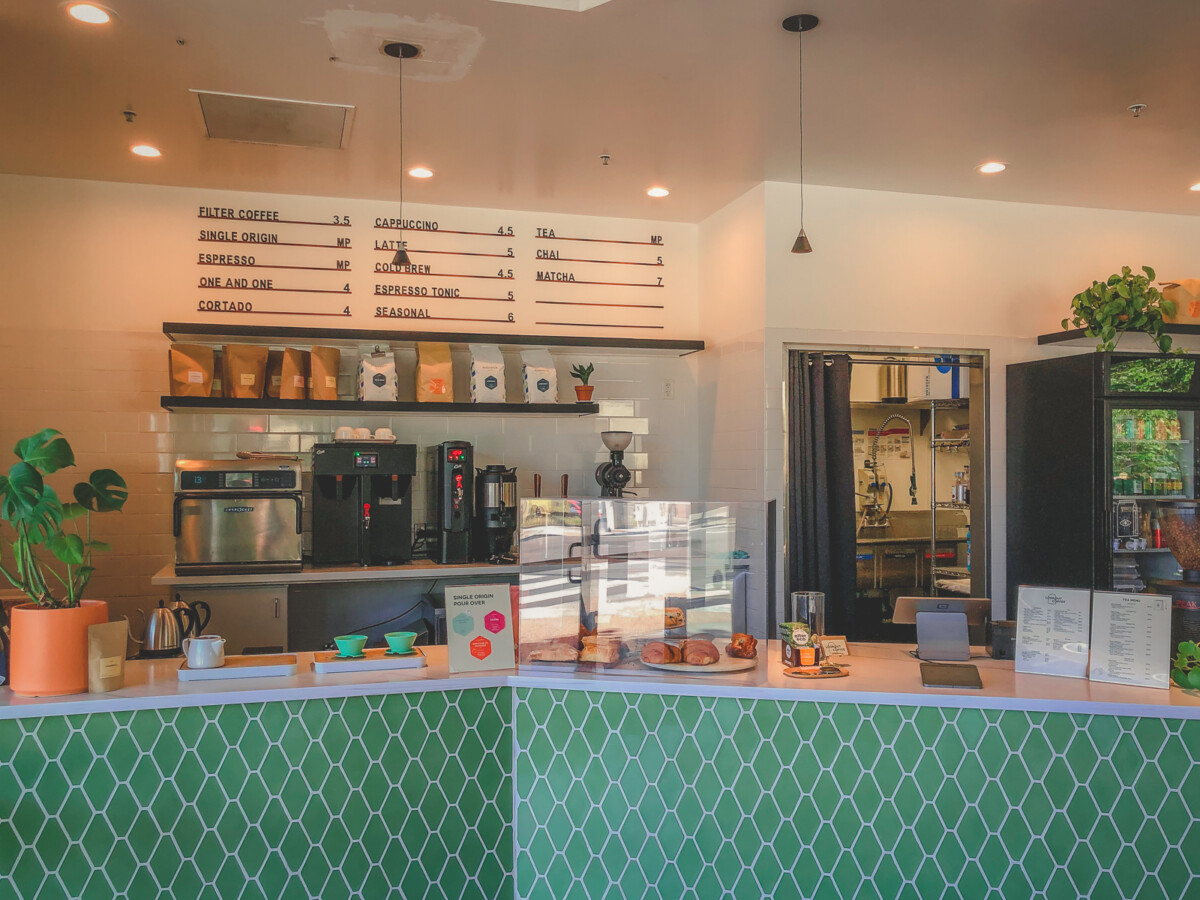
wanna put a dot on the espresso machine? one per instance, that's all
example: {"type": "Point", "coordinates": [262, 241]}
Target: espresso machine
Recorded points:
{"type": "Point", "coordinates": [453, 504]}
{"type": "Point", "coordinates": [495, 514]}
{"type": "Point", "coordinates": [612, 476]}
{"type": "Point", "coordinates": [362, 503]}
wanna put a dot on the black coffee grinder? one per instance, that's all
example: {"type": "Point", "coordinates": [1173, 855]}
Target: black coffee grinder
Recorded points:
{"type": "Point", "coordinates": [612, 476]}
{"type": "Point", "coordinates": [454, 501]}
{"type": "Point", "coordinates": [1181, 533]}
{"type": "Point", "coordinates": [495, 514]}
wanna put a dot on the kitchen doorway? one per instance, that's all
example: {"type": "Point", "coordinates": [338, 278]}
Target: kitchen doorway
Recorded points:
{"type": "Point", "coordinates": [920, 444]}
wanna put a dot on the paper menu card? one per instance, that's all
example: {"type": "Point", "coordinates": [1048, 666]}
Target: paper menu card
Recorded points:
{"type": "Point", "coordinates": [1131, 639]}
{"type": "Point", "coordinates": [479, 627]}
{"type": "Point", "coordinates": [1052, 631]}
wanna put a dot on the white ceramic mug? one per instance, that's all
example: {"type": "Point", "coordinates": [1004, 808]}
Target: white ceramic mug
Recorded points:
{"type": "Point", "coordinates": [362, 434]}
{"type": "Point", "coordinates": [384, 434]}
{"type": "Point", "coordinates": [344, 433]}
{"type": "Point", "coordinates": [204, 652]}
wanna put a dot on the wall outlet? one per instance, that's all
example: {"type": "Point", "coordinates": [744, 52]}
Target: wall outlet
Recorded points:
{"type": "Point", "coordinates": [669, 389]}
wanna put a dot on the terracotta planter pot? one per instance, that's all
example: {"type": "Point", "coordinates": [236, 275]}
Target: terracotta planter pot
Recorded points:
{"type": "Point", "coordinates": [583, 392]}
{"type": "Point", "coordinates": [49, 648]}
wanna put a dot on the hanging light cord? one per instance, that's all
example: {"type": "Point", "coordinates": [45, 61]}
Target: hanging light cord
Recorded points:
{"type": "Point", "coordinates": [801, 92]}
{"type": "Point", "coordinates": [400, 60]}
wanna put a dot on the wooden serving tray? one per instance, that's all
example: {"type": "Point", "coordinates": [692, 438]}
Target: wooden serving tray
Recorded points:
{"type": "Point", "coordinates": [243, 667]}
{"type": "Point", "coordinates": [373, 659]}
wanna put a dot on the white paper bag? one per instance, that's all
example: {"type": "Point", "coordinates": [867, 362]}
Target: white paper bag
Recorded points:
{"type": "Point", "coordinates": [539, 376]}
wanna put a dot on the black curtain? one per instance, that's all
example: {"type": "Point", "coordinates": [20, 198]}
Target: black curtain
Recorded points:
{"type": "Point", "coordinates": [821, 486]}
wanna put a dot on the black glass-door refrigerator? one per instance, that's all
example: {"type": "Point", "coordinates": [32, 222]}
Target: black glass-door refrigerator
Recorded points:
{"type": "Point", "coordinates": [1097, 444]}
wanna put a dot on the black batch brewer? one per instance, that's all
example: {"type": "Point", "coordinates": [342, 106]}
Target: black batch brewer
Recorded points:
{"type": "Point", "coordinates": [362, 503]}
{"type": "Point", "coordinates": [454, 501]}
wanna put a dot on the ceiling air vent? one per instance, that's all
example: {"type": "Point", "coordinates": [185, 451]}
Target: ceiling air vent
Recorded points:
{"type": "Point", "coordinates": [270, 120]}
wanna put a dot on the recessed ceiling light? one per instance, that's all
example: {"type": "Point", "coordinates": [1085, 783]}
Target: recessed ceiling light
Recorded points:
{"type": "Point", "coordinates": [658, 192]}
{"type": "Point", "coordinates": [991, 168]}
{"type": "Point", "coordinates": [420, 172]}
{"type": "Point", "coordinates": [1195, 187]}
{"type": "Point", "coordinates": [145, 150]}
{"type": "Point", "coordinates": [90, 13]}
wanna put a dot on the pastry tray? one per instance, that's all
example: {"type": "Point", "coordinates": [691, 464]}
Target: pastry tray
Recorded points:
{"type": "Point", "coordinates": [370, 440]}
{"type": "Point", "coordinates": [374, 659]}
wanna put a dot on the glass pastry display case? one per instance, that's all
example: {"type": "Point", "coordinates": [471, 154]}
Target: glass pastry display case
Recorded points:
{"type": "Point", "coordinates": [618, 586]}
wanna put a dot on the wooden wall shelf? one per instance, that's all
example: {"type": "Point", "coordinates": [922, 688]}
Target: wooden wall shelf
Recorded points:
{"type": "Point", "coordinates": [200, 333]}
{"type": "Point", "coordinates": [269, 405]}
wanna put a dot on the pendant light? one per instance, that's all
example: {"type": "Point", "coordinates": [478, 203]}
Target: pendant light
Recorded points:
{"type": "Point", "coordinates": [799, 24]}
{"type": "Point", "coordinates": [401, 51]}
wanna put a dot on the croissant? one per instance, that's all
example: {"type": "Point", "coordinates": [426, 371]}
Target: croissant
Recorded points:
{"type": "Point", "coordinates": [659, 652]}
{"type": "Point", "coordinates": [700, 653]}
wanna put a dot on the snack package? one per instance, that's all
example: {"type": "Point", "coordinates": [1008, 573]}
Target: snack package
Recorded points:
{"type": "Point", "coordinates": [487, 374]}
{"type": "Point", "coordinates": [539, 376]}
{"type": "Point", "coordinates": [293, 371]}
{"type": "Point", "coordinates": [324, 363]}
{"type": "Point", "coordinates": [377, 377]}
{"type": "Point", "coordinates": [435, 375]}
{"type": "Point", "coordinates": [245, 369]}
{"type": "Point", "coordinates": [191, 370]}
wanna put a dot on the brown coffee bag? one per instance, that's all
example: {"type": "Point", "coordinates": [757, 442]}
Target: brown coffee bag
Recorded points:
{"type": "Point", "coordinates": [294, 374]}
{"type": "Point", "coordinates": [324, 363]}
{"type": "Point", "coordinates": [218, 382]}
{"type": "Point", "coordinates": [106, 656]}
{"type": "Point", "coordinates": [435, 374]}
{"type": "Point", "coordinates": [245, 370]}
{"type": "Point", "coordinates": [274, 373]}
{"type": "Point", "coordinates": [191, 370]}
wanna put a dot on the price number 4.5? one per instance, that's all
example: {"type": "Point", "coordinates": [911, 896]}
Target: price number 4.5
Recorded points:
{"type": "Point", "coordinates": [505, 230]}
{"type": "Point", "coordinates": [504, 273]}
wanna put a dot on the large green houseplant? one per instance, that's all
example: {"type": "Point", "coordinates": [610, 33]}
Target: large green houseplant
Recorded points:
{"type": "Point", "coordinates": [46, 552]}
{"type": "Point", "coordinates": [1124, 302]}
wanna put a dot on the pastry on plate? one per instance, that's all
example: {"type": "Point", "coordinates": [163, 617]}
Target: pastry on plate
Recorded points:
{"type": "Point", "coordinates": [600, 650]}
{"type": "Point", "coordinates": [673, 617]}
{"type": "Point", "coordinates": [554, 653]}
{"type": "Point", "coordinates": [742, 646]}
{"type": "Point", "coordinates": [700, 653]}
{"type": "Point", "coordinates": [660, 652]}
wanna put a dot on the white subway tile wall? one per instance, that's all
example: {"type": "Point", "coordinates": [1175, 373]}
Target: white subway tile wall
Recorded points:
{"type": "Point", "coordinates": [103, 389]}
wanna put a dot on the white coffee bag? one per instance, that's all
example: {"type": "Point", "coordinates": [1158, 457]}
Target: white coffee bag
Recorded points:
{"type": "Point", "coordinates": [377, 377]}
{"type": "Point", "coordinates": [539, 376]}
{"type": "Point", "coordinates": [487, 374]}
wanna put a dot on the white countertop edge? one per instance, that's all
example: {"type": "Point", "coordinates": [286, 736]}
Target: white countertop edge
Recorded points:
{"type": "Point", "coordinates": [309, 575]}
{"type": "Point", "coordinates": [947, 699]}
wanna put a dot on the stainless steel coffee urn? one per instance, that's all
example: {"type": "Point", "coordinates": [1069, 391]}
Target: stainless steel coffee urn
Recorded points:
{"type": "Point", "coordinates": [495, 514]}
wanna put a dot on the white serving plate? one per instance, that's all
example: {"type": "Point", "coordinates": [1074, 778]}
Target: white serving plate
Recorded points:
{"type": "Point", "coordinates": [723, 666]}
{"type": "Point", "coordinates": [374, 659]}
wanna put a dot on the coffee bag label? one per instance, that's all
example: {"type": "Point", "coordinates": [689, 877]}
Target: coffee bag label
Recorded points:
{"type": "Point", "coordinates": [491, 383]}
{"type": "Point", "coordinates": [330, 381]}
{"type": "Point", "coordinates": [195, 376]}
{"type": "Point", "coordinates": [543, 385]}
{"type": "Point", "coordinates": [110, 666]}
{"type": "Point", "coordinates": [379, 380]}
{"type": "Point", "coordinates": [247, 379]}
{"type": "Point", "coordinates": [276, 380]}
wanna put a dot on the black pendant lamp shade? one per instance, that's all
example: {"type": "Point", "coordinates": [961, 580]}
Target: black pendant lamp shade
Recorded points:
{"type": "Point", "coordinates": [401, 51]}
{"type": "Point", "coordinates": [798, 25]}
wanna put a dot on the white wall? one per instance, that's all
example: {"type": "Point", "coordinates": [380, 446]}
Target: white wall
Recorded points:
{"type": "Point", "coordinates": [92, 270]}
{"type": "Point", "coordinates": [899, 270]}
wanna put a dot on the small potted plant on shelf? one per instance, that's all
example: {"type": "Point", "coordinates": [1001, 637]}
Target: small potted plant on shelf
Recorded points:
{"type": "Point", "coordinates": [1185, 667]}
{"type": "Point", "coordinates": [1125, 302]}
{"type": "Point", "coordinates": [49, 634]}
{"type": "Point", "coordinates": [583, 390]}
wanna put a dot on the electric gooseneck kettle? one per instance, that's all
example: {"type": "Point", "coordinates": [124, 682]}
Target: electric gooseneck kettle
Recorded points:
{"type": "Point", "coordinates": [166, 629]}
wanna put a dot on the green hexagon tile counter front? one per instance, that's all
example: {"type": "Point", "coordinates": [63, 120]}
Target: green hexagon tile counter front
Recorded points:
{"type": "Point", "coordinates": [615, 794]}
{"type": "Point", "coordinates": [360, 796]}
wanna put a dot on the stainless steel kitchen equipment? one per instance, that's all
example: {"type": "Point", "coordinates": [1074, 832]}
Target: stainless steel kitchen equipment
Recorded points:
{"type": "Point", "coordinates": [495, 514]}
{"type": "Point", "coordinates": [165, 630]}
{"type": "Point", "coordinates": [237, 515]}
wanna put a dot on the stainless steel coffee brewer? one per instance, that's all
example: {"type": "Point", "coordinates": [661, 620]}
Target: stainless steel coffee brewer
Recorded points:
{"type": "Point", "coordinates": [495, 514]}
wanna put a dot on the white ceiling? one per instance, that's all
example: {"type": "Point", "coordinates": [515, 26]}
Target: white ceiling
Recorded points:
{"type": "Point", "coordinates": [514, 103]}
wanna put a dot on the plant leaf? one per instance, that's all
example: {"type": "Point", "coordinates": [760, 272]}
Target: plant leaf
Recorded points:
{"type": "Point", "coordinates": [1193, 677]}
{"type": "Point", "coordinates": [1149, 273]}
{"type": "Point", "coordinates": [67, 548]}
{"type": "Point", "coordinates": [1189, 648]}
{"type": "Point", "coordinates": [73, 511]}
{"type": "Point", "coordinates": [98, 545]}
{"type": "Point", "coordinates": [104, 491]}
{"type": "Point", "coordinates": [45, 451]}
{"type": "Point", "coordinates": [1180, 678]}
{"type": "Point", "coordinates": [23, 493]}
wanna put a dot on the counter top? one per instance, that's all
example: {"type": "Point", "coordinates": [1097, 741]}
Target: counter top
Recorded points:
{"type": "Point", "coordinates": [909, 540]}
{"type": "Point", "coordinates": [880, 674]}
{"type": "Point", "coordinates": [420, 568]}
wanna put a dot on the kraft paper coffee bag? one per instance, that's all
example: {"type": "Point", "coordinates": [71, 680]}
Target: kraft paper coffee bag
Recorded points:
{"type": "Point", "coordinates": [191, 370]}
{"type": "Point", "coordinates": [274, 373]}
{"type": "Point", "coordinates": [435, 375]}
{"type": "Point", "coordinates": [293, 374]}
{"type": "Point", "coordinates": [245, 369]}
{"type": "Point", "coordinates": [324, 363]}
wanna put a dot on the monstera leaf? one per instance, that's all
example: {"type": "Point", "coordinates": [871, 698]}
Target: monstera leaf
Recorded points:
{"type": "Point", "coordinates": [104, 491]}
{"type": "Point", "coordinates": [21, 492]}
{"type": "Point", "coordinates": [67, 548]}
{"type": "Point", "coordinates": [45, 451]}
